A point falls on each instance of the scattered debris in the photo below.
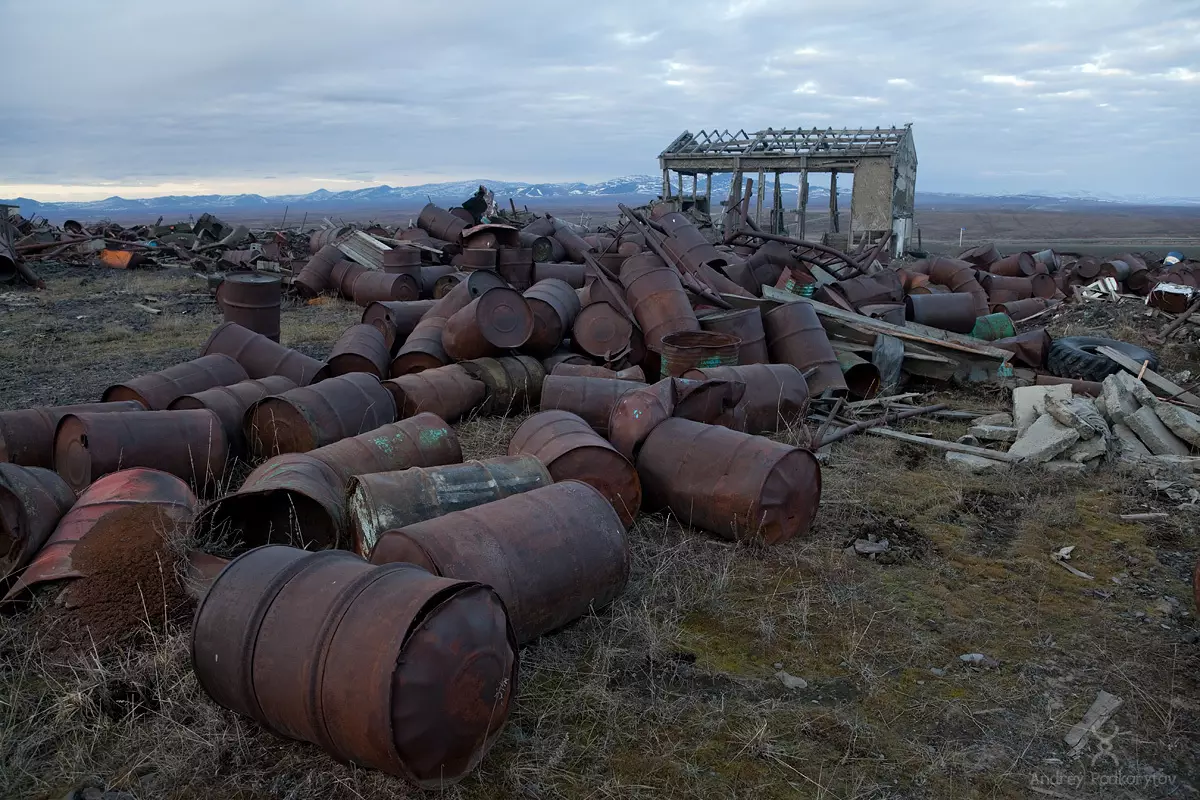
(791, 681)
(1102, 708)
(1062, 555)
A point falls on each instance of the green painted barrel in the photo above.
(993, 327)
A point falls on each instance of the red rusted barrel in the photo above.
(157, 390)
(592, 399)
(428, 277)
(542, 248)
(309, 417)
(571, 274)
(360, 349)
(981, 255)
(1015, 288)
(499, 319)
(1021, 309)
(514, 383)
(639, 412)
(564, 356)
(472, 258)
(950, 312)
(601, 331)
(567, 369)
(440, 223)
(382, 501)
(127, 491)
(552, 554)
(1015, 265)
(795, 336)
(959, 277)
(344, 274)
(261, 357)
(396, 320)
(747, 325)
(402, 259)
(515, 265)
(776, 396)
(370, 287)
(686, 350)
(32, 501)
(446, 282)
(422, 349)
(1030, 349)
(230, 404)
(316, 277)
(423, 440)
(449, 391)
(574, 244)
(571, 450)
(554, 306)
(27, 436)
(388, 667)
(862, 377)
(657, 298)
(688, 242)
(738, 486)
(251, 299)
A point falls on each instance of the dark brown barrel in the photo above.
(684, 350)
(949, 312)
(157, 390)
(422, 349)
(601, 331)
(261, 357)
(430, 276)
(981, 255)
(188, 444)
(958, 276)
(1029, 349)
(575, 246)
(402, 258)
(32, 501)
(440, 223)
(542, 248)
(776, 396)
(446, 282)
(129, 490)
(862, 377)
(27, 436)
(344, 274)
(472, 258)
(396, 320)
(388, 667)
(639, 412)
(514, 383)
(747, 325)
(316, 277)
(515, 265)
(571, 274)
(1019, 288)
(497, 320)
(1022, 309)
(230, 404)
(738, 486)
(553, 554)
(370, 287)
(687, 242)
(656, 296)
(251, 299)
(309, 417)
(327, 237)
(382, 501)
(1044, 285)
(449, 391)
(563, 356)
(571, 450)
(1115, 268)
(592, 399)
(1015, 265)
(360, 349)
(554, 306)
(568, 369)
(795, 336)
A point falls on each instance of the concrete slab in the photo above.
(1003, 418)
(1180, 421)
(1079, 413)
(1029, 402)
(1060, 467)
(1128, 443)
(1155, 435)
(1119, 401)
(993, 433)
(1088, 450)
(975, 465)
(1045, 439)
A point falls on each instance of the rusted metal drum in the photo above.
(344, 274)
(686, 241)
(261, 357)
(738, 486)
(1022, 309)
(449, 391)
(656, 296)
(552, 554)
(1138, 279)
(396, 320)
(1114, 268)
(429, 276)
(360, 349)
(388, 667)
(554, 306)
(370, 287)
(795, 336)
(571, 274)
(862, 377)
(981, 255)
(993, 327)
(1029, 348)
(446, 282)
(959, 277)
(440, 223)
(776, 396)
(32, 501)
(27, 436)
(514, 383)
(497, 320)
(423, 440)
(542, 248)
(568, 369)
(157, 390)
(515, 265)
(747, 325)
(1013, 288)
(188, 444)
(601, 331)
(382, 501)
(592, 399)
(639, 412)
(316, 277)
(564, 356)
(472, 258)
(402, 259)
(327, 236)
(230, 404)
(309, 417)
(118, 493)
(576, 247)
(888, 312)
(1015, 265)
(949, 312)
(571, 450)
(422, 349)
(251, 299)
(684, 350)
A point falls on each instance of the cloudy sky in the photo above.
(147, 97)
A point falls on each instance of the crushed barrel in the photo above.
(230, 404)
(396, 320)
(776, 396)
(640, 411)
(514, 383)
(316, 275)
(656, 295)
(592, 399)
(747, 325)
(795, 336)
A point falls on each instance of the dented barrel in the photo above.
(776, 396)
(157, 390)
(230, 404)
(27, 436)
(450, 392)
(592, 399)
(655, 294)
(260, 357)
(601, 331)
(514, 383)
(360, 349)
(567, 368)
(344, 274)
(440, 223)
(795, 336)
(554, 306)
(498, 319)
(950, 312)
(396, 320)
(32, 501)
(316, 276)
(309, 417)
(747, 325)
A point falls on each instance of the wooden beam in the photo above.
(802, 203)
(939, 444)
(1150, 377)
(758, 206)
(833, 200)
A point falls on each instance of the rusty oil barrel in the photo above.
(776, 396)
(251, 299)
(327, 237)
(32, 501)
(656, 295)
(371, 287)
(571, 274)
(795, 336)
(571, 450)
(949, 312)
(601, 331)
(684, 350)
(309, 417)
(446, 282)
(554, 306)
(515, 265)
(688, 242)
(422, 349)
(1021, 309)
(316, 277)
(1015, 265)
(260, 357)
(981, 255)
(747, 325)
(552, 554)
(396, 320)
(27, 436)
(564, 356)
(542, 248)
(402, 259)
(450, 392)
(344, 274)
(1013, 288)
(129, 490)
(1029, 349)
(592, 399)
(188, 444)
(360, 349)
(473, 258)
(738, 486)
(959, 277)
(382, 501)
(387, 667)
(428, 277)
(157, 390)
(862, 377)
(230, 404)
(568, 369)
(514, 383)
(639, 412)
(499, 319)
(440, 223)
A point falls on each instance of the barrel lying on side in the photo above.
(396, 320)
(775, 399)
(32, 501)
(309, 417)
(27, 436)
(157, 390)
(592, 399)
(449, 391)
(260, 357)
(362, 348)
(514, 383)
(230, 404)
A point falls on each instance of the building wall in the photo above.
(871, 199)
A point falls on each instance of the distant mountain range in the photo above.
(631, 187)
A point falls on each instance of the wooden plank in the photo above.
(1150, 378)
(938, 444)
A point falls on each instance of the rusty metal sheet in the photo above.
(795, 336)
(450, 392)
(738, 486)
(553, 554)
(1029, 349)
(775, 399)
(309, 417)
(388, 667)
(950, 312)
(639, 412)
(383, 501)
(572, 274)
(571, 450)
(370, 287)
(396, 320)
(441, 224)
(230, 404)
(32, 501)
(747, 325)
(592, 399)
(554, 306)
(684, 350)
(655, 293)
(491, 235)
(251, 299)
(27, 436)
(260, 357)
(316, 276)
(570, 369)
(157, 390)
(514, 383)
(360, 349)
(601, 331)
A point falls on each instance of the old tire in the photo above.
(1076, 357)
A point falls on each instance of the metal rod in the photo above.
(886, 419)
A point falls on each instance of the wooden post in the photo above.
(777, 208)
(695, 180)
(666, 184)
(802, 202)
(758, 207)
(834, 227)
(680, 193)
(708, 193)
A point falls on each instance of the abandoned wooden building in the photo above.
(883, 162)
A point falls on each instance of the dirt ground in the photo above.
(678, 689)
